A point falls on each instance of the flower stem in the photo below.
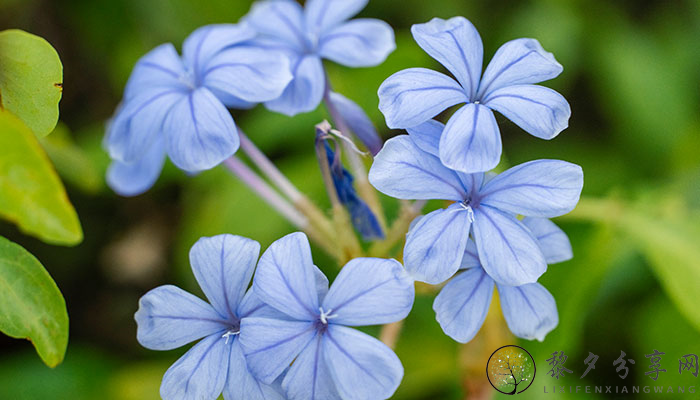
(364, 189)
(277, 202)
(397, 232)
(389, 334)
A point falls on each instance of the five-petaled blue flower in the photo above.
(471, 141)
(530, 310)
(328, 360)
(177, 105)
(318, 31)
(410, 169)
(168, 317)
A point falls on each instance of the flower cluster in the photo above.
(288, 317)
(480, 231)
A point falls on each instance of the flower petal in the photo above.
(471, 256)
(322, 15)
(471, 141)
(358, 121)
(159, 68)
(507, 250)
(270, 345)
(200, 373)
(241, 384)
(362, 366)
(530, 310)
(223, 266)
(540, 188)
(456, 44)
(553, 241)
(435, 245)
(252, 306)
(359, 43)
(370, 291)
(520, 61)
(249, 73)
(305, 91)
(427, 136)
(139, 122)
(201, 132)
(415, 95)
(462, 305)
(540, 111)
(309, 377)
(136, 178)
(280, 19)
(205, 42)
(168, 317)
(285, 278)
(404, 171)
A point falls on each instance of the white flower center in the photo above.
(230, 333)
(326, 315)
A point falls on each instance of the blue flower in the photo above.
(330, 360)
(472, 141)
(530, 310)
(318, 31)
(177, 105)
(168, 317)
(435, 244)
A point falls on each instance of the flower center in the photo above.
(325, 315)
(229, 333)
(188, 79)
(466, 205)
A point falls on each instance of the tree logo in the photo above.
(511, 369)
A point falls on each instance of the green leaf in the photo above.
(31, 79)
(31, 194)
(31, 306)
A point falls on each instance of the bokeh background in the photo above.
(631, 74)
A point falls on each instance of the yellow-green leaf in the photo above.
(31, 306)
(31, 194)
(31, 79)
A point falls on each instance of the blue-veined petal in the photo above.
(554, 243)
(136, 178)
(520, 61)
(321, 284)
(322, 15)
(241, 384)
(471, 141)
(435, 245)
(540, 111)
(280, 19)
(309, 377)
(358, 121)
(248, 73)
(370, 291)
(530, 310)
(415, 95)
(404, 171)
(159, 68)
(471, 256)
(168, 317)
(462, 305)
(205, 42)
(201, 132)
(223, 266)
(270, 345)
(472, 182)
(285, 278)
(358, 43)
(139, 122)
(361, 366)
(507, 250)
(252, 306)
(200, 373)
(456, 44)
(305, 91)
(540, 188)
(427, 136)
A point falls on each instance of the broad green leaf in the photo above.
(71, 161)
(31, 306)
(31, 194)
(31, 79)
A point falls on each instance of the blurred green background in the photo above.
(631, 74)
